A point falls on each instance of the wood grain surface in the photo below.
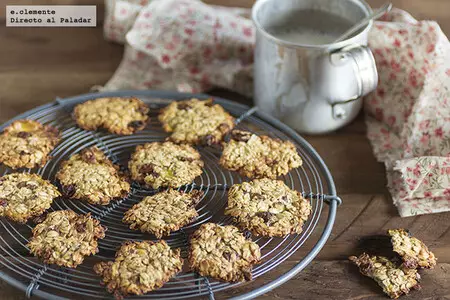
(39, 64)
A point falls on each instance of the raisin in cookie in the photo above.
(259, 156)
(64, 238)
(196, 122)
(164, 212)
(117, 115)
(394, 281)
(140, 267)
(24, 196)
(222, 252)
(413, 251)
(27, 143)
(267, 207)
(91, 176)
(165, 164)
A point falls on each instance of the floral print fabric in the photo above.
(166, 41)
(408, 116)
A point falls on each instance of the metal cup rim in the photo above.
(352, 40)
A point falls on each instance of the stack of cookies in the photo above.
(263, 206)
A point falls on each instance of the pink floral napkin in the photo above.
(167, 41)
(408, 116)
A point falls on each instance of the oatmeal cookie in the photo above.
(267, 207)
(165, 164)
(117, 115)
(394, 281)
(24, 196)
(222, 252)
(259, 156)
(64, 238)
(413, 251)
(27, 143)
(164, 212)
(91, 176)
(140, 267)
(196, 122)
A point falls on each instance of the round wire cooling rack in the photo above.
(313, 179)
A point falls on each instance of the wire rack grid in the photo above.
(313, 179)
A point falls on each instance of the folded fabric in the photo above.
(166, 42)
(408, 115)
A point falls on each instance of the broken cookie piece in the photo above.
(414, 252)
(394, 281)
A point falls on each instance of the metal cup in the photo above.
(314, 88)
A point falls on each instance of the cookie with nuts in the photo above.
(91, 176)
(140, 267)
(122, 116)
(195, 121)
(413, 251)
(222, 252)
(256, 156)
(165, 164)
(267, 207)
(65, 238)
(24, 196)
(27, 144)
(163, 212)
(395, 281)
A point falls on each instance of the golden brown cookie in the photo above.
(24, 196)
(140, 267)
(394, 281)
(196, 121)
(267, 207)
(259, 156)
(164, 212)
(165, 164)
(91, 176)
(27, 143)
(222, 252)
(413, 251)
(64, 238)
(117, 115)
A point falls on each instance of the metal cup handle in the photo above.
(365, 73)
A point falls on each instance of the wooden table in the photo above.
(37, 64)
